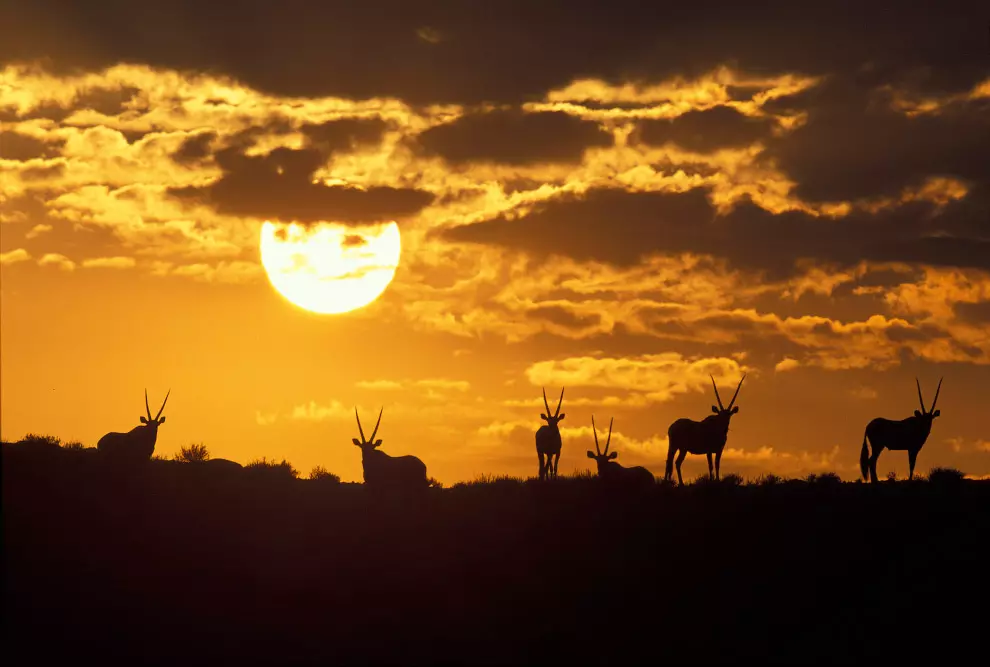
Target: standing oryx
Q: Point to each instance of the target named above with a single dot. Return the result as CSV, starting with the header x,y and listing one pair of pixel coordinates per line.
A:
x,y
611,472
139,442
548,439
705,437
382,471
907,434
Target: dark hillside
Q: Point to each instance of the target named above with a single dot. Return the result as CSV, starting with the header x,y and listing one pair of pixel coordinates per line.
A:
x,y
184,563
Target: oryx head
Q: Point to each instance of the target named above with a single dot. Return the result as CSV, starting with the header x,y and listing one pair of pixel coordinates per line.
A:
x,y
601,458
367,446
154,422
557,416
932,413
723,411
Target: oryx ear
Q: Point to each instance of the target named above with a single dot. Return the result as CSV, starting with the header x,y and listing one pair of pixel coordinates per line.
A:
x,y
161,421
356,441
378,442
591,454
735,409
543,417
612,455
917,413
143,420
936,413
715,409
562,415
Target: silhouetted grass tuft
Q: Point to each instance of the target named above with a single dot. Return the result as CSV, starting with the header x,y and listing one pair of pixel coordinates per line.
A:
x,y
42,440
891,476
263,466
945,476
824,479
767,479
732,479
434,483
194,453
74,446
321,474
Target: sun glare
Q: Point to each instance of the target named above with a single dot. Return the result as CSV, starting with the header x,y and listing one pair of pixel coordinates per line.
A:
x,y
330,268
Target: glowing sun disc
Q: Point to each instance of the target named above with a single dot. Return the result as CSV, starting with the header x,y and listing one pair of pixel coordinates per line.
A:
x,y
329,268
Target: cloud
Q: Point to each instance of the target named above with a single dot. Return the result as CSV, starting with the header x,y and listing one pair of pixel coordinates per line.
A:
x,y
57,260
431,384
313,411
378,385
265,418
23,147
280,186
232,272
659,376
623,228
38,230
786,364
109,263
513,137
707,131
14,256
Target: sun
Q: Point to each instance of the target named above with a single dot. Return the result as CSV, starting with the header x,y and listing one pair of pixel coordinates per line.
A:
x,y
330,268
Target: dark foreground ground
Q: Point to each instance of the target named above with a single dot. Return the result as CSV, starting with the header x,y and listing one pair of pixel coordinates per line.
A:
x,y
178,563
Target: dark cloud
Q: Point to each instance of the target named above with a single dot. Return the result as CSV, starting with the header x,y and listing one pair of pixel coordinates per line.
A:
x,y
507,52
279,186
563,317
622,228
855,145
706,131
17,146
513,137
344,134
194,148
977,313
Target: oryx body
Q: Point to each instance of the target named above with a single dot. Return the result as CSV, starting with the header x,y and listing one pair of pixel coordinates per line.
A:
x,y
548,442
905,435
382,471
611,472
687,436
139,442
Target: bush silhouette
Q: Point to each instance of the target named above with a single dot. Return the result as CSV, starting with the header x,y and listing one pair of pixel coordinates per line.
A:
x,y
271,469
43,440
768,479
939,475
824,479
194,453
321,474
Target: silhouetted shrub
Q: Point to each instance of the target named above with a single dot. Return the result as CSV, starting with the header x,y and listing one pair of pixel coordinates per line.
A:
x,y
891,476
194,453
434,483
732,479
321,474
940,475
75,446
825,479
42,440
767,479
263,466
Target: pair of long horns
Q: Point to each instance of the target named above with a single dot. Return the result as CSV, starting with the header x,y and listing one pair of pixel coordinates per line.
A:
x,y
718,398
373,433
558,402
934,401
148,408
594,430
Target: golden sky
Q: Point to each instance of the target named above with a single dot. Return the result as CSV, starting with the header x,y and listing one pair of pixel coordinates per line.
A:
x,y
610,219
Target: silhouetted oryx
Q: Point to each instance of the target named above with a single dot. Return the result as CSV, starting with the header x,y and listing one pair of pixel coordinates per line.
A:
x,y
548,439
382,471
139,442
909,434
610,471
705,437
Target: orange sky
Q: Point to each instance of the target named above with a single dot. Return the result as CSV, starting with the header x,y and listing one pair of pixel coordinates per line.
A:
x,y
621,238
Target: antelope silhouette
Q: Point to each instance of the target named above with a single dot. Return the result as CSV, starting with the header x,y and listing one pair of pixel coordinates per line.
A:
x,y
139,442
907,434
610,471
705,437
382,471
548,439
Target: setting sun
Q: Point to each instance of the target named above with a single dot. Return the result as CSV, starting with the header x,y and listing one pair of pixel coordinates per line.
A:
x,y
329,268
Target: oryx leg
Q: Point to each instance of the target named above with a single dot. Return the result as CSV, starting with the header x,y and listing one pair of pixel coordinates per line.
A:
x,y
669,468
542,467
680,460
556,460
718,460
711,474
873,463
912,459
